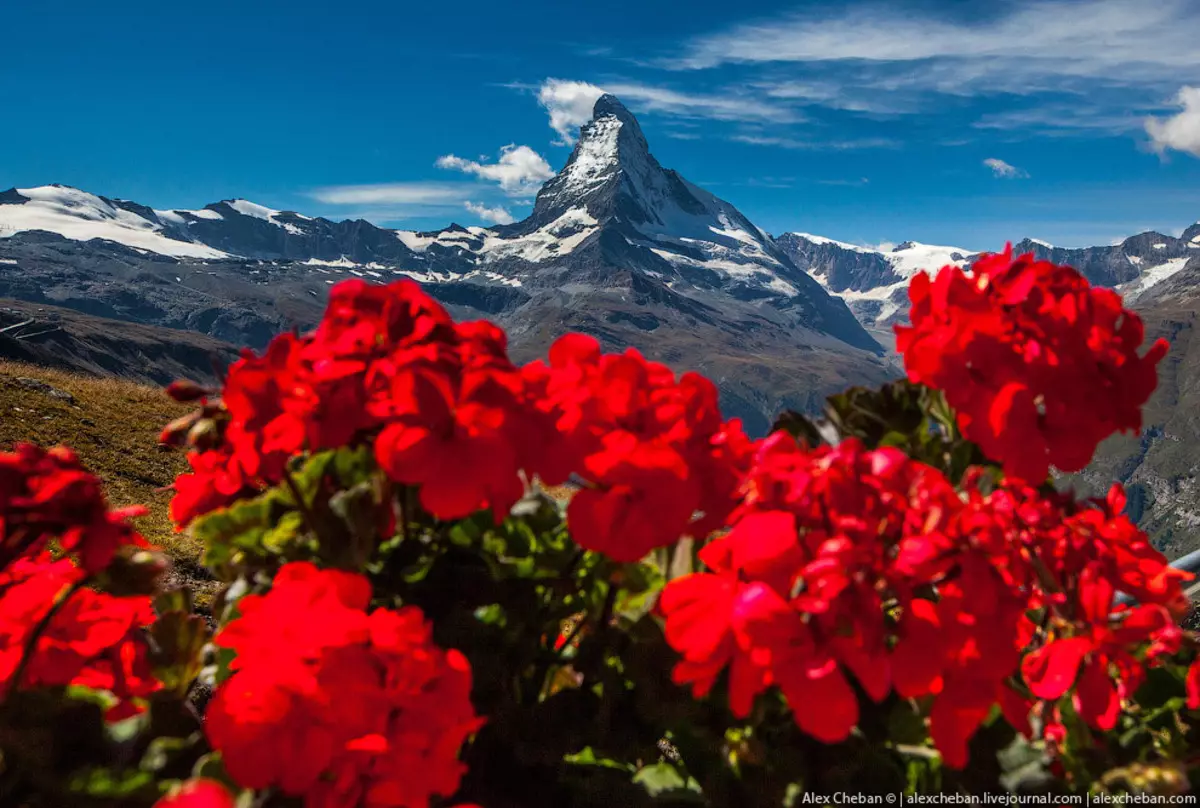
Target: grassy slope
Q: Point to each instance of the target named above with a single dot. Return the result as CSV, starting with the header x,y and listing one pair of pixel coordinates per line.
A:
x,y
113,426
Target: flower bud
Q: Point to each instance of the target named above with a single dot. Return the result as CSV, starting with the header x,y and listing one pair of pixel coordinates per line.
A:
x,y
174,433
203,435
185,391
134,571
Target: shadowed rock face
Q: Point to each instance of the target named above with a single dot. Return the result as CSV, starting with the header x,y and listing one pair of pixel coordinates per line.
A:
x,y
616,246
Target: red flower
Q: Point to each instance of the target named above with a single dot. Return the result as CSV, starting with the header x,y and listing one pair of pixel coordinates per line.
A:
x,y
798,596
338,705
453,438
447,412
198,793
48,494
1039,366
215,481
659,460
93,640
1193,686
1085,660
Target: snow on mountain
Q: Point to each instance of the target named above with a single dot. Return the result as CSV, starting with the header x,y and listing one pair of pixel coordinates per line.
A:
x,y
872,281
248,208
81,216
177,217
615,246
1150,277
910,258
656,221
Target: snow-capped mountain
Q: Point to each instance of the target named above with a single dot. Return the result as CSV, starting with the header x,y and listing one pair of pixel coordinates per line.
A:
x,y
615,246
874,282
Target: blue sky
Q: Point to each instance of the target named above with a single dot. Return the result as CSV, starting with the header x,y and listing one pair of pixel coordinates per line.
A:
x,y
948,121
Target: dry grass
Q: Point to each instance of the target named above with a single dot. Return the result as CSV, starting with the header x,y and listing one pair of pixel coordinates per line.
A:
x,y
113,425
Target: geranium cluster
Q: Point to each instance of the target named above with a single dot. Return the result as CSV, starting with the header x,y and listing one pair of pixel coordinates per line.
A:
x,y
337,704
848,561
659,460
1039,366
448,412
54,630
47,494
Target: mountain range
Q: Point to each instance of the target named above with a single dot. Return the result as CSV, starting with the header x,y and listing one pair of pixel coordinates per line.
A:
x,y
874,282
615,246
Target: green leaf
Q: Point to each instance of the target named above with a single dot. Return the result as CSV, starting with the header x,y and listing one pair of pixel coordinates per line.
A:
x,y
212,767
177,652
162,750
905,726
105,783
664,780
1024,767
217,671
587,757
283,534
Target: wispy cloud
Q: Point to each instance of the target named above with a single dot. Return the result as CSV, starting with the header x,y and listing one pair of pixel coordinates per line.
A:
x,y
1179,132
569,104
1005,170
394,193
767,182
1060,119
816,144
1083,67
1021,47
492,215
858,183
836,95
519,171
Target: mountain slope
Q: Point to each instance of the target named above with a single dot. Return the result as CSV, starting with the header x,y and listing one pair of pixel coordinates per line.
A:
x,y
874,282
616,246
1161,466
61,338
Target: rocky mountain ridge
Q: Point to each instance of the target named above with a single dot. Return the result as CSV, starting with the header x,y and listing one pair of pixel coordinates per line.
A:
x,y
616,246
874,282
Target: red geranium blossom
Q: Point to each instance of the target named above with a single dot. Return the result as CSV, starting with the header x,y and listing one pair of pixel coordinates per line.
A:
x,y
338,705
1039,366
198,793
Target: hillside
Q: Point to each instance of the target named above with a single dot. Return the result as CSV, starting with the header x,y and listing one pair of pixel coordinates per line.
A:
x,y
51,336
113,425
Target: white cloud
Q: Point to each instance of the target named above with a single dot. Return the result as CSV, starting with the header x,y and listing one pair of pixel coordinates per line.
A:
x,y
570,103
519,171
1004,170
1180,132
909,51
494,215
394,193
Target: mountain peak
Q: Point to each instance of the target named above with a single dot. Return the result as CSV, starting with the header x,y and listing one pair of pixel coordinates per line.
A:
x,y
609,104
612,175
